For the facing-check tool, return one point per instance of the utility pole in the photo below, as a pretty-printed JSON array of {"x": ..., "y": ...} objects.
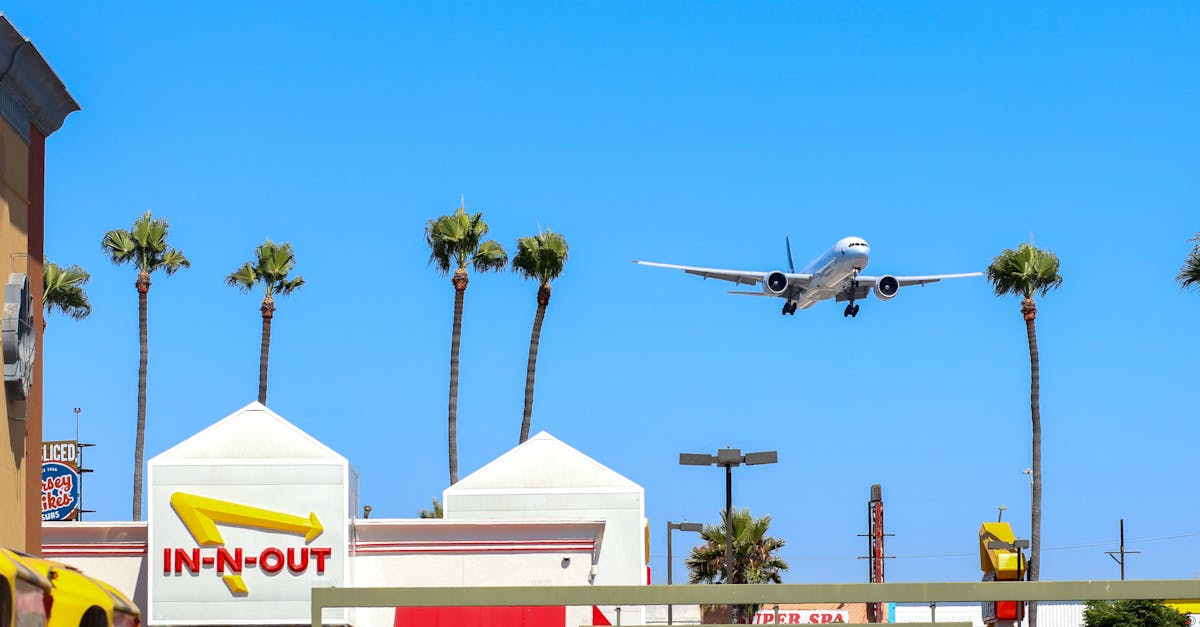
[
  {"x": 79, "y": 446},
  {"x": 1122, "y": 552}
]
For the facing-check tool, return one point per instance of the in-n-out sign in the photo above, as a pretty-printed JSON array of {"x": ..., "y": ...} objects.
[{"x": 201, "y": 515}]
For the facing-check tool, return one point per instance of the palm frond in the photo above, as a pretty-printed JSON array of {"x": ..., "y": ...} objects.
[
  {"x": 172, "y": 260},
  {"x": 435, "y": 512},
  {"x": 118, "y": 244},
  {"x": 541, "y": 257},
  {"x": 452, "y": 240},
  {"x": 269, "y": 266},
  {"x": 287, "y": 287},
  {"x": 1189, "y": 273},
  {"x": 456, "y": 241},
  {"x": 243, "y": 278},
  {"x": 1024, "y": 272},
  {"x": 63, "y": 290},
  {"x": 755, "y": 558},
  {"x": 145, "y": 245},
  {"x": 489, "y": 256}
]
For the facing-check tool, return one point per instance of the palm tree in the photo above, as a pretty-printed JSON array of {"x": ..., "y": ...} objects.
[
  {"x": 1189, "y": 274},
  {"x": 269, "y": 267},
  {"x": 64, "y": 291},
  {"x": 145, "y": 246},
  {"x": 455, "y": 242},
  {"x": 434, "y": 512},
  {"x": 540, "y": 257},
  {"x": 755, "y": 555},
  {"x": 1024, "y": 272}
]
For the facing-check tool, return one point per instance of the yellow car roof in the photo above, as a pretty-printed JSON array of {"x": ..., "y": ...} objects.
[
  {"x": 15, "y": 562},
  {"x": 101, "y": 590}
]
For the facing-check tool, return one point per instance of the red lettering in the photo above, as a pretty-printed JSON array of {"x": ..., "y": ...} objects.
[
  {"x": 793, "y": 617},
  {"x": 233, "y": 562},
  {"x": 267, "y": 567},
  {"x": 64, "y": 481},
  {"x": 183, "y": 559},
  {"x": 297, "y": 566},
  {"x": 837, "y": 618},
  {"x": 167, "y": 561},
  {"x": 320, "y": 555}
]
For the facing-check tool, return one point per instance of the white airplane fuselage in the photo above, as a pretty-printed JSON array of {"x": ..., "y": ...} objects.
[{"x": 832, "y": 272}]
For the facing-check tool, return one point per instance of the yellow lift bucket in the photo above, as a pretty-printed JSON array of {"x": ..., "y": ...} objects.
[{"x": 1004, "y": 564}]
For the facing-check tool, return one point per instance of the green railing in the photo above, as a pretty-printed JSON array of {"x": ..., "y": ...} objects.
[{"x": 758, "y": 594}]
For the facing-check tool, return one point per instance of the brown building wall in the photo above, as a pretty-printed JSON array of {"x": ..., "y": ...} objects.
[
  {"x": 14, "y": 257},
  {"x": 35, "y": 241},
  {"x": 33, "y": 104}
]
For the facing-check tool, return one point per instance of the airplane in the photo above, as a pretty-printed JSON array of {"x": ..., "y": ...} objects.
[{"x": 835, "y": 274}]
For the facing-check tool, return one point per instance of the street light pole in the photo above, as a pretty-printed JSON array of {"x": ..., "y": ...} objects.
[
  {"x": 728, "y": 458},
  {"x": 729, "y": 524},
  {"x": 684, "y": 526}
]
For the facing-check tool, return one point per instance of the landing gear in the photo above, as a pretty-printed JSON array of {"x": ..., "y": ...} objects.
[
  {"x": 789, "y": 308},
  {"x": 851, "y": 308}
]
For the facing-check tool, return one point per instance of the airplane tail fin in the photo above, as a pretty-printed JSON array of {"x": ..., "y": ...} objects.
[{"x": 791, "y": 264}]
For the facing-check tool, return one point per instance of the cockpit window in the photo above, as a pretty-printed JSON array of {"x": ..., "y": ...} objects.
[{"x": 863, "y": 244}]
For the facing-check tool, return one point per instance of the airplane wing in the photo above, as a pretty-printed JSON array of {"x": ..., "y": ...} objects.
[
  {"x": 741, "y": 277},
  {"x": 869, "y": 281}
]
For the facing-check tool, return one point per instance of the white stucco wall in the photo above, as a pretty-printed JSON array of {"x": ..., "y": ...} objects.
[
  {"x": 111, "y": 551},
  {"x": 419, "y": 553}
]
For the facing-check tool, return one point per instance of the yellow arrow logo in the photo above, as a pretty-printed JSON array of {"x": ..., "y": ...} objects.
[{"x": 201, "y": 514}]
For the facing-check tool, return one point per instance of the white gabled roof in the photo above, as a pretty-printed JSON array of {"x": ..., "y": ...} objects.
[
  {"x": 252, "y": 432},
  {"x": 543, "y": 462}
]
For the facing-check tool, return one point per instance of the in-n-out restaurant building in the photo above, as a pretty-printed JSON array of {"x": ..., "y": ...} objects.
[{"x": 248, "y": 515}]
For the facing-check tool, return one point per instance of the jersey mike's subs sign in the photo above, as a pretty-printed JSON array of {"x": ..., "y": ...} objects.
[{"x": 61, "y": 490}]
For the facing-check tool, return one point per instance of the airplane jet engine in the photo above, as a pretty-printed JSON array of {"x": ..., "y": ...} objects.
[
  {"x": 776, "y": 283},
  {"x": 886, "y": 287}
]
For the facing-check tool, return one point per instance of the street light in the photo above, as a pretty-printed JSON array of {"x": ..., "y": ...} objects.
[
  {"x": 728, "y": 458},
  {"x": 683, "y": 526}
]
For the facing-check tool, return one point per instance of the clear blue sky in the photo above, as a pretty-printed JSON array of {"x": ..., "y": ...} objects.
[{"x": 698, "y": 133}]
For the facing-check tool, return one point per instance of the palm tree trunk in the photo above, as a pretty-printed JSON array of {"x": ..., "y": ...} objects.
[
  {"x": 143, "y": 288},
  {"x": 460, "y": 289},
  {"x": 1029, "y": 311},
  {"x": 535, "y": 338},
  {"x": 268, "y": 313}
]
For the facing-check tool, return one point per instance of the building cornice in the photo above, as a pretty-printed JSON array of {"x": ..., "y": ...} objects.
[{"x": 30, "y": 91}]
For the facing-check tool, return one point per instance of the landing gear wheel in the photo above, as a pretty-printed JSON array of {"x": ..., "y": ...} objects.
[
  {"x": 848, "y": 310},
  {"x": 854, "y": 312},
  {"x": 786, "y": 306}
]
